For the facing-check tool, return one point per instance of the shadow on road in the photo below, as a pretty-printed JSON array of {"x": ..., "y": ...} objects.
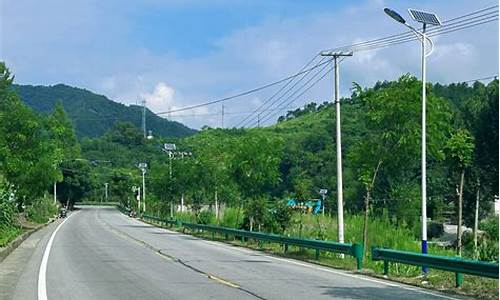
[
  {"x": 137, "y": 226},
  {"x": 384, "y": 293}
]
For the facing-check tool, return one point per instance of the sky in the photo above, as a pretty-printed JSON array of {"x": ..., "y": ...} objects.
[{"x": 177, "y": 53}]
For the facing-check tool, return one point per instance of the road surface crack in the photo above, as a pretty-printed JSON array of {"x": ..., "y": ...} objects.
[{"x": 181, "y": 262}]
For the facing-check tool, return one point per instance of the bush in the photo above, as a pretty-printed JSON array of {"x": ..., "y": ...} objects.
[
  {"x": 7, "y": 203},
  {"x": 490, "y": 226},
  {"x": 282, "y": 215},
  {"x": 232, "y": 217},
  {"x": 8, "y": 233},
  {"x": 205, "y": 217},
  {"x": 41, "y": 210}
]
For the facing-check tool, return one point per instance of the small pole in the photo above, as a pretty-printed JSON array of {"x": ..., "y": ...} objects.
[
  {"x": 476, "y": 220},
  {"x": 143, "y": 190},
  {"x": 106, "y": 191},
  {"x": 222, "y": 116},
  {"x": 55, "y": 192}
]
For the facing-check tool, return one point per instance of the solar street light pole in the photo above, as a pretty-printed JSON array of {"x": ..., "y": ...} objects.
[{"x": 432, "y": 19}]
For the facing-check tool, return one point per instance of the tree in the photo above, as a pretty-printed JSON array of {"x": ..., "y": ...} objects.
[
  {"x": 126, "y": 134},
  {"x": 77, "y": 182},
  {"x": 459, "y": 151},
  {"x": 26, "y": 156},
  {"x": 391, "y": 114}
]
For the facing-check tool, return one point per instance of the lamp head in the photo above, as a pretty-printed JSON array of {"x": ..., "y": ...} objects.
[{"x": 391, "y": 13}]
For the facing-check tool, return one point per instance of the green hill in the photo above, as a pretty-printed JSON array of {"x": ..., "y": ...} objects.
[{"x": 92, "y": 114}]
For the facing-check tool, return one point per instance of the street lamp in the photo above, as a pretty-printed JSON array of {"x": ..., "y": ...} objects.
[
  {"x": 143, "y": 167},
  {"x": 323, "y": 193},
  {"x": 426, "y": 19}
]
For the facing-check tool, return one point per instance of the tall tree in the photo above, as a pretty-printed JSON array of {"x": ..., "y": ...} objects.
[{"x": 459, "y": 150}]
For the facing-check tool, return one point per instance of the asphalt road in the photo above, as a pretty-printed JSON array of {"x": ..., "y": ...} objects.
[{"x": 98, "y": 253}]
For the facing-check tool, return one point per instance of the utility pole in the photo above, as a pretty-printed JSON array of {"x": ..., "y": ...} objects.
[
  {"x": 144, "y": 117},
  {"x": 258, "y": 120},
  {"x": 340, "y": 198}
]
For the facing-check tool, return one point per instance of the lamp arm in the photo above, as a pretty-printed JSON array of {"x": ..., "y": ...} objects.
[{"x": 421, "y": 36}]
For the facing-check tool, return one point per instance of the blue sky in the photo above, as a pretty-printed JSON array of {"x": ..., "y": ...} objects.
[{"x": 177, "y": 53}]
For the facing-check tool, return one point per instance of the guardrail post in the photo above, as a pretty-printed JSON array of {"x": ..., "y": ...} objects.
[
  {"x": 317, "y": 254},
  {"x": 226, "y": 236},
  {"x": 286, "y": 248},
  {"x": 459, "y": 279},
  {"x": 386, "y": 268},
  {"x": 260, "y": 244},
  {"x": 358, "y": 254}
]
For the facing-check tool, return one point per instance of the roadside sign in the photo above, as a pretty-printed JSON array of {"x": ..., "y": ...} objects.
[{"x": 169, "y": 147}]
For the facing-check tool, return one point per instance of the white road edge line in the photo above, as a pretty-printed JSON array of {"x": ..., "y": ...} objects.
[{"x": 42, "y": 273}]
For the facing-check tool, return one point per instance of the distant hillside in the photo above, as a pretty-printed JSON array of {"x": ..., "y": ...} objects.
[{"x": 93, "y": 114}]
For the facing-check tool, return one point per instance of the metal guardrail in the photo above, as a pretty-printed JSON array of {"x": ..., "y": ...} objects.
[
  {"x": 160, "y": 220},
  {"x": 452, "y": 264},
  {"x": 355, "y": 250}
]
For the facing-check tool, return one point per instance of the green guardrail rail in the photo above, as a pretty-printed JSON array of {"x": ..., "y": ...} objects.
[
  {"x": 355, "y": 250},
  {"x": 453, "y": 264},
  {"x": 160, "y": 220}
]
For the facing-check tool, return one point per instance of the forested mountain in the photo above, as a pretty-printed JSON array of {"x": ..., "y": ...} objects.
[{"x": 92, "y": 114}]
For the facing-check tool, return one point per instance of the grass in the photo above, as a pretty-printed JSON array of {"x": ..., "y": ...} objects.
[
  {"x": 381, "y": 233},
  {"x": 8, "y": 234}
]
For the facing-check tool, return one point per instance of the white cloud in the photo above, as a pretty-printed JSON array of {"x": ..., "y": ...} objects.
[{"x": 161, "y": 99}]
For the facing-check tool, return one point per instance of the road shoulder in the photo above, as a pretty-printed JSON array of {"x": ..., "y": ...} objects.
[{"x": 21, "y": 265}]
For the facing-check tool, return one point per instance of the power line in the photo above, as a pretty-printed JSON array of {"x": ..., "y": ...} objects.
[
  {"x": 481, "y": 16},
  {"x": 453, "y": 26},
  {"x": 405, "y": 34},
  {"x": 472, "y": 80},
  {"x": 270, "y": 98},
  {"x": 269, "y": 115},
  {"x": 242, "y": 93},
  {"x": 441, "y": 31},
  {"x": 481, "y": 79},
  {"x": 268, "y": 105},
  {"x": 382, "y": 42}
]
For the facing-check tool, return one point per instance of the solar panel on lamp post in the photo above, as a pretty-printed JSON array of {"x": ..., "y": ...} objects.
[{"x": 426, "y": 19}]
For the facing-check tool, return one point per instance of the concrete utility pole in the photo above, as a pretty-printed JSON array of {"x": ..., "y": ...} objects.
[
  {"x": 144, "y": 117},
  {"x": 340, "y": 198}
]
